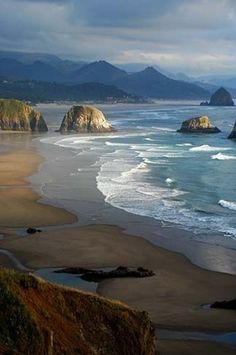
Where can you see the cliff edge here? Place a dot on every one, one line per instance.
(45, 319)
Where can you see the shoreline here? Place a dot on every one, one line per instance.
(172, 298)
(88, 202)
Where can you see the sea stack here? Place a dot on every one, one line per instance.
(233, 133)
(200, 124)
(85, 119)
(221, 98)
(15, 115)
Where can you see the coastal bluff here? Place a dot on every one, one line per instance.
(50, 319)
(85, 119)
(221, 97)
(233, 133)
(199, 124)
(15, 115)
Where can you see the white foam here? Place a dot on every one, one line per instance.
(149, 139)
(169, 181)
(228, 204)
(207, 148)
(184, 145)
(221, 156)
(164, 129)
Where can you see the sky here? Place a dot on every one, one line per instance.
(197, 37)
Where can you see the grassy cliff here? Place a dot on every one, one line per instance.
(37, 318)
(15, 115)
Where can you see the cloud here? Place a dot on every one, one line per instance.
(179, 35)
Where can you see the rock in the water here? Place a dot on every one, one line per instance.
(99, 275)
(31, 230)
(200, 124)
(15, 115)
(225, 304)
(85, 119)
(204, 103)
(233, 133)
(221, 98)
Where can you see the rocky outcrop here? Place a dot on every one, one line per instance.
(49, 319)
(15, 115)
(99, 275)
(85, 119)
(233, 133)
(225, 304)
(200, 124)
(221, 98)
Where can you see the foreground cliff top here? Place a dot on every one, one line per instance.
(85, 119)
(44, 318)
(15, 115)
(201, 124)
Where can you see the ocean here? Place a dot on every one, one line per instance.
(149, 169)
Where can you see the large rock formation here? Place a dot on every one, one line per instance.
(41, 318)
(200, 124)
(85, 119)
(15, 115)
(233, 133)
(221, 98)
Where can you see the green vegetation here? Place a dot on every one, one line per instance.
(11, 108)
(38, 91)
(18, 330)
(40, 318)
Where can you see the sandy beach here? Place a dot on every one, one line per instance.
(173, 297)
(20, 206)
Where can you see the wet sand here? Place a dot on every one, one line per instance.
(173, 297)
(19, 204)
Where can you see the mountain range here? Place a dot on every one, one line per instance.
(150, 83)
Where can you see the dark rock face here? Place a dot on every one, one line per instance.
(204, 103)
(17, 116)
(233, 133)
(221, 98)
(85, 119)
(225, 304)
(99, 275)
(31, 230)
(200, 124)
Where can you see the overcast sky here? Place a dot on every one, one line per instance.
(192, 36)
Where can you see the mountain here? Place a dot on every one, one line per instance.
(39, 91)
(29, 58)
(151, 83)
(13, 69)
(219, 80)
(100, 72)
(41, 318)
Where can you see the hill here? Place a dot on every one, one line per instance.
(46, 319)
(153, 84)
(150, 83)
(100, 72)
(38, 91)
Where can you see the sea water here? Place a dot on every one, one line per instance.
(149, 169)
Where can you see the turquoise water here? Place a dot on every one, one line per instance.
(149, 169)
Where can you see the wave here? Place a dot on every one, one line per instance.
(184, 145)
(165, 129)
(227, 204)
(169, 181)
(221, 156)
(207, 148)
(149, 139)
